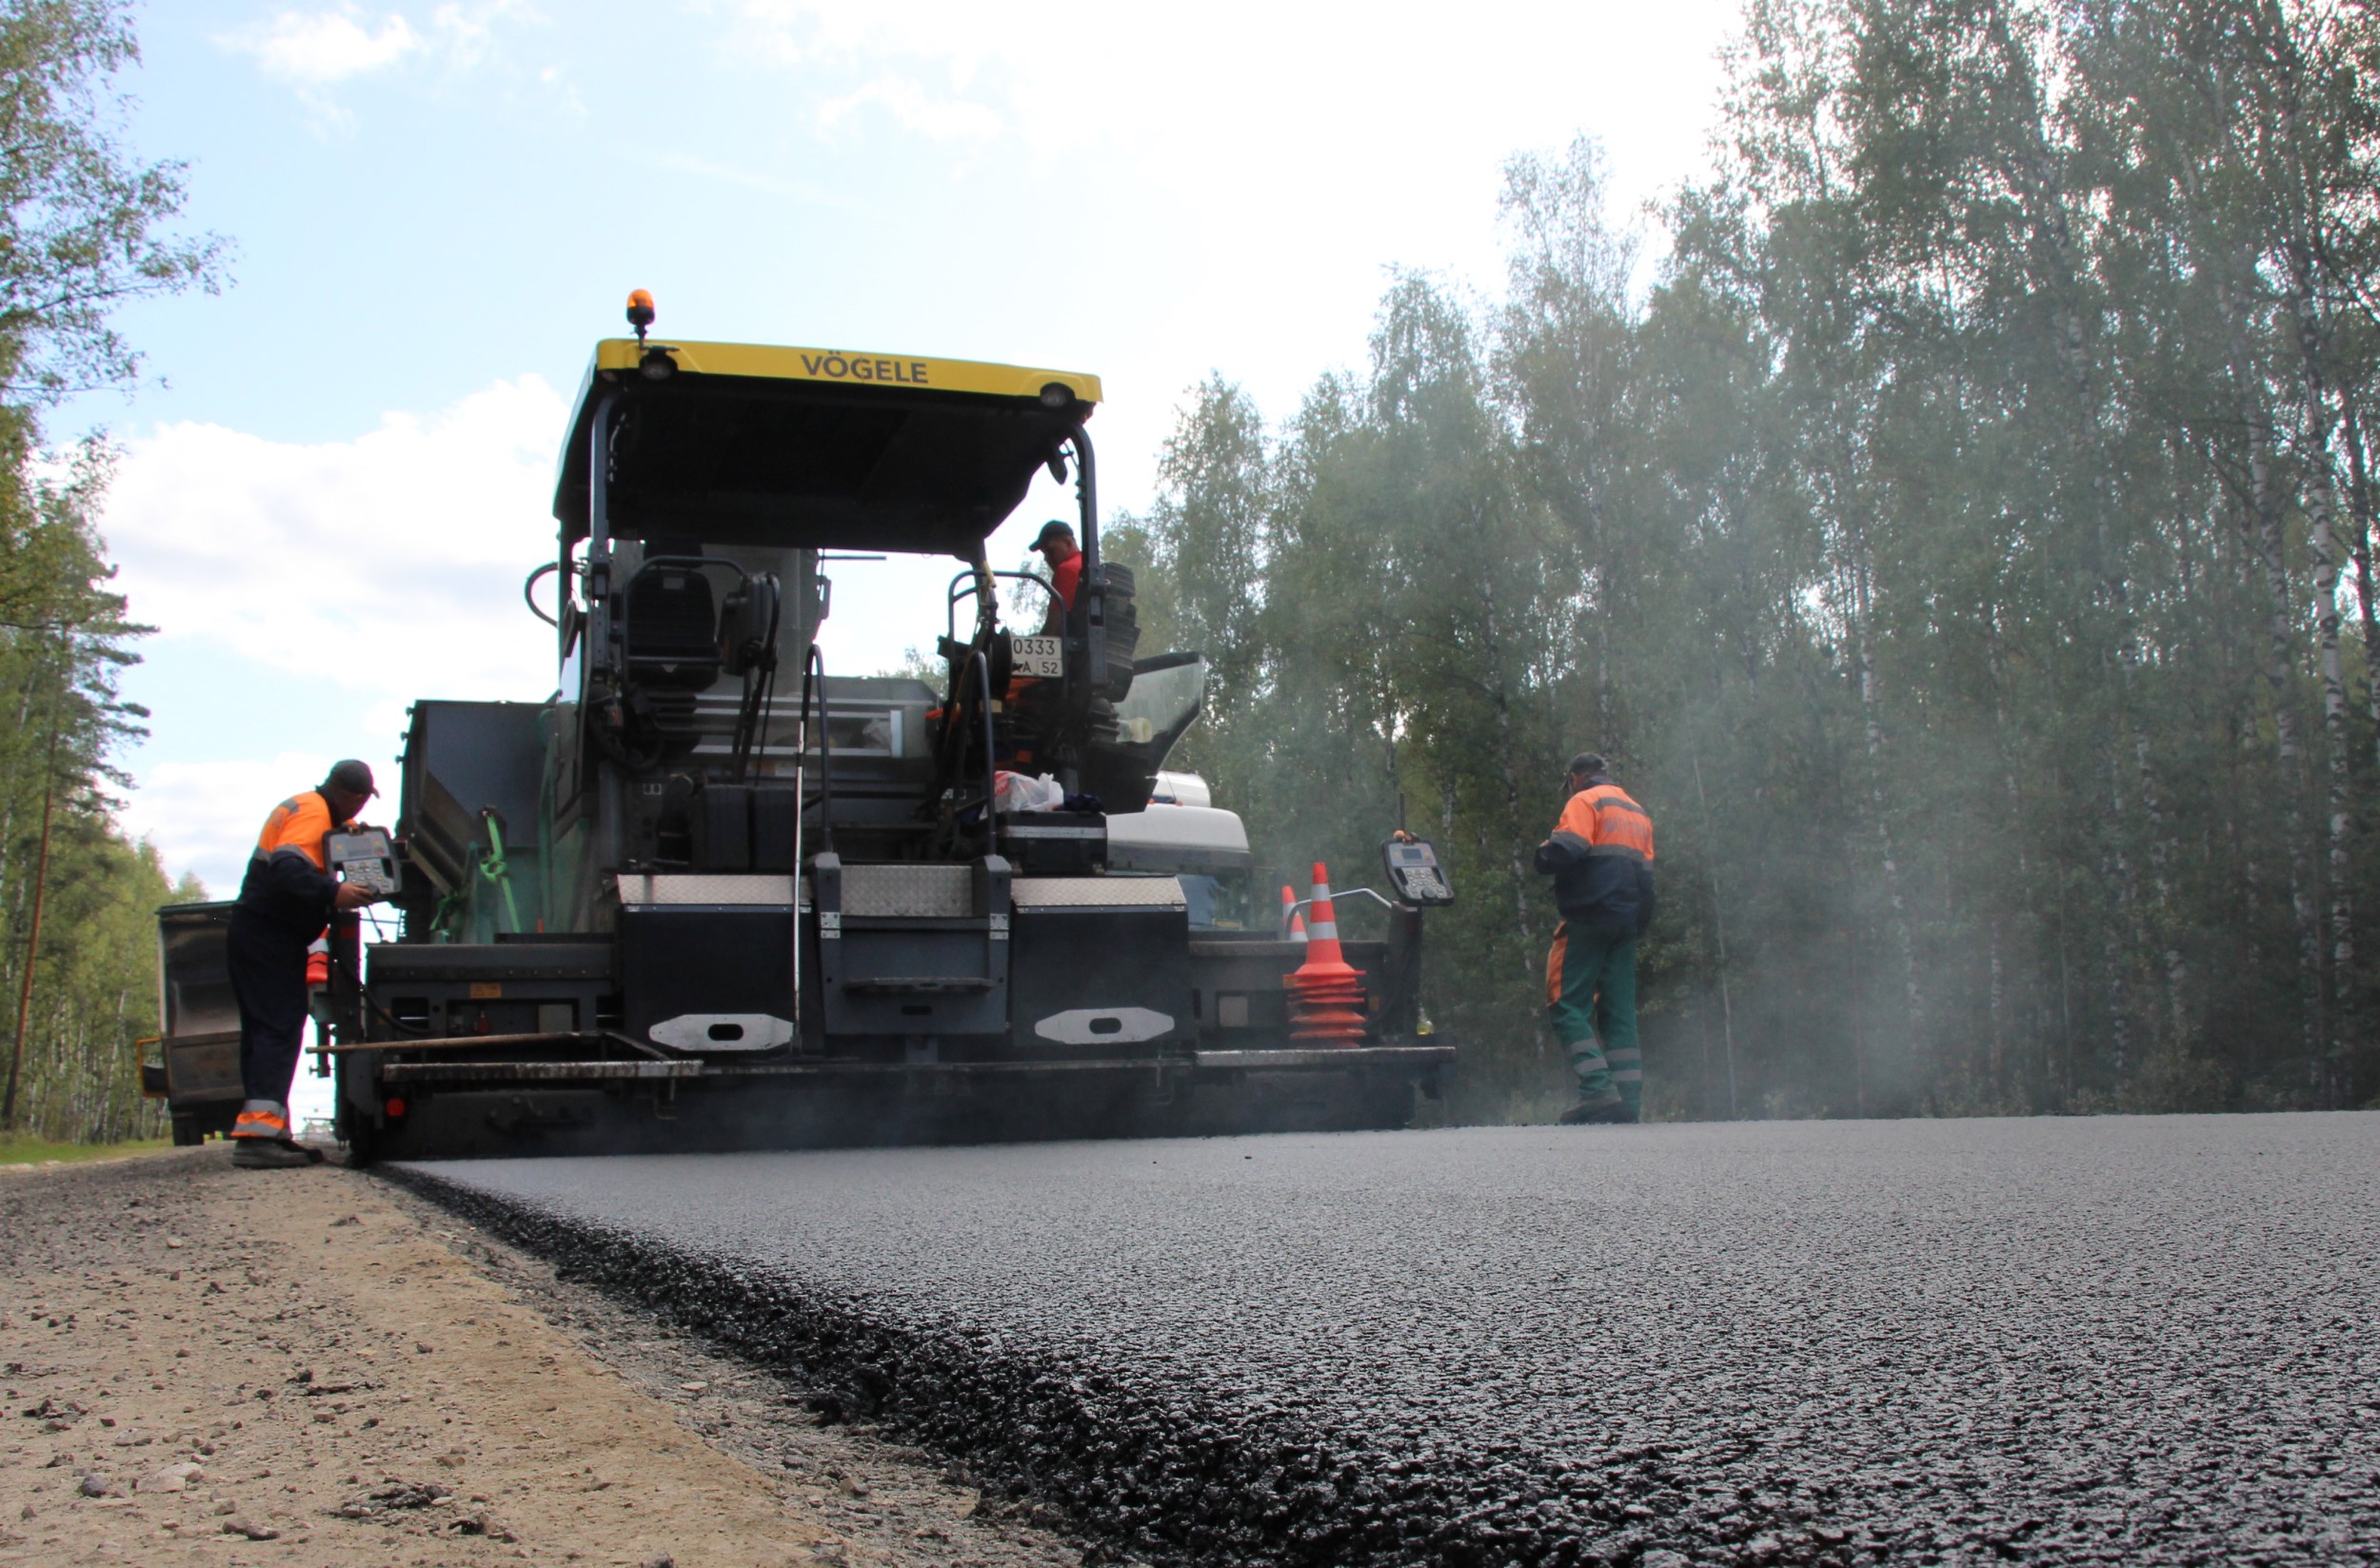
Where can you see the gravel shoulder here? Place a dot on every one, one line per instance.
(207, 1365)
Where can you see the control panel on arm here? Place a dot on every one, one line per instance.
(1413, 871)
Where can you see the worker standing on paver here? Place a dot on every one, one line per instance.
(1600, 856)
(287, 897)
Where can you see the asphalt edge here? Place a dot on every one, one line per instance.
(1161, 1480)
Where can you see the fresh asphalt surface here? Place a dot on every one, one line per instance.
(2104, 1339)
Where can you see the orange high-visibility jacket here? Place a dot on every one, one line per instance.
(288, 883)
(301, 823)
(1600, 855)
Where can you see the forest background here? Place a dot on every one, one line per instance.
(84, 230)
(1960, 539)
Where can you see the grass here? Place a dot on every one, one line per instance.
(17, 1149)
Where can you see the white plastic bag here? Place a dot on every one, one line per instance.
(1015, 792)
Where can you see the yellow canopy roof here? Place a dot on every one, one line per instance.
(853, 366)
(820, 449)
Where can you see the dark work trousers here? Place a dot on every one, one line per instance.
(269, 982)
(1590, 1000)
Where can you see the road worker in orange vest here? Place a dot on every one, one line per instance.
(287, 897)
(1600, 857)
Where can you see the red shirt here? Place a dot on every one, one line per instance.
(1066, 577)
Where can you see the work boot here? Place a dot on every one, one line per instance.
(267, 1154)
(1605, 1108)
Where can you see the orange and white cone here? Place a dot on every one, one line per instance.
(1293, 924)
(1325, 996)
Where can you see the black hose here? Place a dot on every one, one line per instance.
(991, 769)
(752, 715)
(1088, 495)
(528, 598)
(817, 667)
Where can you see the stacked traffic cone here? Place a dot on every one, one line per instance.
(1325, 996)
(1293, 924)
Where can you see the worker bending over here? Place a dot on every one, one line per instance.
(287, 897)
(1600, 856)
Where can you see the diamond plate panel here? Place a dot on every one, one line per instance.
(908, 892)
(644, 888)
(1098, 893)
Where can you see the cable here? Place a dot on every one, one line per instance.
(817, 667)
(759, 697)
(528, 598)
(991, 758)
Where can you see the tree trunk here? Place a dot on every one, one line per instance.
(2340, 816)
(2359, 545)
(1871, 712)
(1995, 1061)
(1718, 935)
(2117, 873)
(2280, 674)
(2322, 514)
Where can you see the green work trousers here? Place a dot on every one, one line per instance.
(1591, 998)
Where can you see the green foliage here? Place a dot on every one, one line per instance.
(79, 221)
(35, 1151)
(94, 989)
(80, 233)
(1962, 546)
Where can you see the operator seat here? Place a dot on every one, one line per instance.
(672, 624)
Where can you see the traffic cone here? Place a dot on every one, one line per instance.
(1325, 996)
(1293, 924)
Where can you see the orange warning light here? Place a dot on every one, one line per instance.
(639, 312)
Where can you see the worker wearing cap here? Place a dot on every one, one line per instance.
(1600, 856)
(287, 897)
(1064, 558)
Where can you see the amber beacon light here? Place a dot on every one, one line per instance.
(639, 312)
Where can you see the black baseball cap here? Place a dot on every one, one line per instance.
(350, 777)
(1052, 530)
(1588, 762)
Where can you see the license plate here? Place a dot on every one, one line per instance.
(1043, 658)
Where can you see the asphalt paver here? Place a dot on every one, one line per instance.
(2106, 1340)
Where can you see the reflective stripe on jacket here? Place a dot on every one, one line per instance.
(288, 886)
(301, 823)
(1600, 856)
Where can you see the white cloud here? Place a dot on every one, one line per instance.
(724, 173)
(389, 565)
(1299, 143)
(314, 51)
(204, 817)
(316, 590)
(325, 46)
(937, 118)
(1287, 82)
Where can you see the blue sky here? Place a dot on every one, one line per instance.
(437, 208)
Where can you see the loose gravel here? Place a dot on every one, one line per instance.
(2075, 1341)
(212, 1366)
